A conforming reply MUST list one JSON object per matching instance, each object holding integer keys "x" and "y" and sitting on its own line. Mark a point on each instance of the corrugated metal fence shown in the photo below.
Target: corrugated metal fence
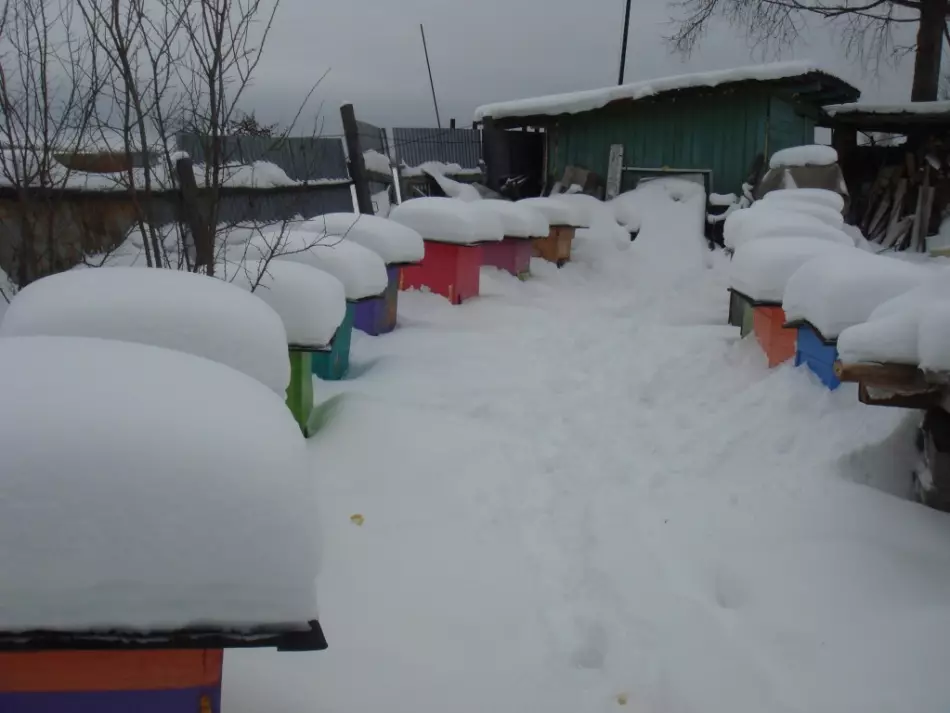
{"x": 301, "y": 158}
{"x": 414, "y": 147}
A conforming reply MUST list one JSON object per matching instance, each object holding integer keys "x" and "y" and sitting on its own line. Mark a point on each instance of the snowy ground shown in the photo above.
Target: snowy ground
{"x": 582, "y": 492}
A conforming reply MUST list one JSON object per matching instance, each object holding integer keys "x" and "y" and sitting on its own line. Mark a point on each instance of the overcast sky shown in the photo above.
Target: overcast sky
{"x": 492, "y": 50}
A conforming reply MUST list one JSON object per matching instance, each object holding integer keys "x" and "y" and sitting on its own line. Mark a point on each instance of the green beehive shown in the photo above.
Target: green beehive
{"x": 333, "y": 363}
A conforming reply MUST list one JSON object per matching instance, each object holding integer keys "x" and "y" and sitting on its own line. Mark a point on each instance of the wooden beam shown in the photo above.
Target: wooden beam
{"x": 922, "y": 400}
{"x": 897, "y": 376}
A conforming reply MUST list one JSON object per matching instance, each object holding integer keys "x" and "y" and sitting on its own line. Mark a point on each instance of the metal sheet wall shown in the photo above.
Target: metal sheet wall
{"x": 722, "y": 132}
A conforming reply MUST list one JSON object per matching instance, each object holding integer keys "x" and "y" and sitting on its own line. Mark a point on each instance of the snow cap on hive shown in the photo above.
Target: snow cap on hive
{"x": 518, "y": 221}
{"x": 760, "y": 269}
{"x": 448, "y": 220}
{"x": 311, "y": 303}
{"x": 820, "y": 196}
{"x": 393, "y": 242}
{"x": 798, "y": 156}
{"x": 766, "y": 221}
{"x": 362, "y": 272}
{"x": 839, "y": 289}
{"x": 557, "y": 212}
{"x": 146, "y": 489}
{"x": 174, "y": 309}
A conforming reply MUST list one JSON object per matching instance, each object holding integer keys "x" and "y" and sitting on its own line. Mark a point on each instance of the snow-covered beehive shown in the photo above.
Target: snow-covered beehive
{"x": 397, "y": 245}
{"x": 832, "y": 292}
{"x": 521, "y": 224}
{"x": 166, "y": 308}
{"x": 454, "y": 233}
{"x": 175, "y": 492}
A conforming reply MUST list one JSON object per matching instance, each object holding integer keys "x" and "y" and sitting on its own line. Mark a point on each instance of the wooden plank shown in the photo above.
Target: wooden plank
{"x": 358, "y": 173}
{"x": 901, "y": 376}
{"x": 889, "y": 235}
{"x": 614, "y": 171}
{"x": 922, "y": 400}
{"x": 199, "y": 230}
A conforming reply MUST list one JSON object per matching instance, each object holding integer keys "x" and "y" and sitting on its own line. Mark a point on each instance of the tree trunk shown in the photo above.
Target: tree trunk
{"x": 933, "y": 16}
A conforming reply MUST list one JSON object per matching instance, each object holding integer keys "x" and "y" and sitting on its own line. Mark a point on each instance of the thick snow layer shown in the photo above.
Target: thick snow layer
{"x": 362, "y": 272}
{"x": 576, "y": 102}
{"x": 890, "y": 339}
{"x": 630, "y": 207}
{"x": 451, "y": 187}
{"x": 934, "y": 107}
{"x": 891, "y": 333}
{"x": 148, "y": 489}
{"x": 446, "y": 169}
{"x": 813, "y": 155}
{"x": 448, "y": 220}
{"x": 761, "y": 268}
{"x": 600, "y": 219}
{"x": 518, "y": 221}
{"x": 933, "y": 337}
{"x": 762, "y": 221}
{"x": 638, "y": 510}
{"x": 311, "y": 302}
{"x": 377, "y": 162}
{"x": 820, "y": 196}
{"x": 557, "y": 212}
{"x": 723, "y": 199}
{"x": 173, "y": 309}
{"x": 841, "y": 289}
{"x": 393, "y": 242}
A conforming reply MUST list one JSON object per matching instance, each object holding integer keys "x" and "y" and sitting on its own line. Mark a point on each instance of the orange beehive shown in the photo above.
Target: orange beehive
{"x": 556, "y": 247}
{"x": 777, "y": 343}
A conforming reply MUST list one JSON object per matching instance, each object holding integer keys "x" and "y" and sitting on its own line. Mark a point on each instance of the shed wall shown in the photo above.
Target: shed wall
{"x": 723, "y": 132}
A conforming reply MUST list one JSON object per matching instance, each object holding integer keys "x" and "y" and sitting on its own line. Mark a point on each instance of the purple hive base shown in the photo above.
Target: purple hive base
{"x": 185, "y": 700}
{"x": 512, "y": 255}
{"x": 378, "y": 315}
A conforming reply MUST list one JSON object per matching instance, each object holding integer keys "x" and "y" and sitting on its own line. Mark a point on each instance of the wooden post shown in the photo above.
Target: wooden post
{"x": 357, "y": 167}
{"x": 491, "y": 152}
{"x": 201, "y": 236}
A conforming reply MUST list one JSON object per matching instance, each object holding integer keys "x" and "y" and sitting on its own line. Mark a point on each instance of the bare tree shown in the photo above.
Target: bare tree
{"x": 48, "y": 86}
{"x": 867, "y": 27}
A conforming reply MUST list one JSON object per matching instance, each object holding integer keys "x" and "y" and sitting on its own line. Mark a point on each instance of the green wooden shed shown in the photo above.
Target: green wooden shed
{"x": 715, "y": 122}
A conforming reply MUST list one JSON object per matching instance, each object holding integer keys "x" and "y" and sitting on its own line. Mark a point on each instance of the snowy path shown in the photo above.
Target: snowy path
{"x": 583, "y": 487}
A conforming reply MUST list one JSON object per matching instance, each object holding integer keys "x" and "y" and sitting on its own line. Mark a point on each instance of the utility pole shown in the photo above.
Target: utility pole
{"x": 438, "y": 122}
{"x": 623, "y": 46}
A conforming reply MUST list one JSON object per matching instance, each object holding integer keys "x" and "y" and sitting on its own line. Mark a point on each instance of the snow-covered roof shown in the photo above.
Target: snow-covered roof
{"x": 448, "y": 220}
{"x": 362, "y": 272}
{"x": 577, "y": 102}
{"x": 310, "y": 302}
{"x": 918, "y": 108}
{"x": 393, "y": 242}
{"x": 173, "y": 309}
{"x": 145, "y": 489}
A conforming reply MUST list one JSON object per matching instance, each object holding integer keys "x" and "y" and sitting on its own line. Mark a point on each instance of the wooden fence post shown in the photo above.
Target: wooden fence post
{"x": 357, "y": 167}
{"x": 201, "y": 237}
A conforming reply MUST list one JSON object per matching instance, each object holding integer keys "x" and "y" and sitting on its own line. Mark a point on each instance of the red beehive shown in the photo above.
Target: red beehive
{"x": 777, "y": 343}
{"x": 447, "y": 269}
{"x": 512, "y": 255}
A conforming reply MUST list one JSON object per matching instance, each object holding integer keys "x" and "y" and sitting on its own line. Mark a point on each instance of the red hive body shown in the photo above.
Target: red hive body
{"x": 512, "y": 255}
{"x": 447, "y": 269}
{"x": 777, "y": 343}
{"x": 152, "y": 681}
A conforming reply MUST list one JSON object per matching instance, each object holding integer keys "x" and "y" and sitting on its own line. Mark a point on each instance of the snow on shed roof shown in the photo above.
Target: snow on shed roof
{"x": 183, "y": 480}
{"x": 929, "y": 108}
{"x": 577, "y": 102}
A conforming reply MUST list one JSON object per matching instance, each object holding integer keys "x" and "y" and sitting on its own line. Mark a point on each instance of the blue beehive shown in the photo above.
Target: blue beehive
{"x": 818, "y": 354}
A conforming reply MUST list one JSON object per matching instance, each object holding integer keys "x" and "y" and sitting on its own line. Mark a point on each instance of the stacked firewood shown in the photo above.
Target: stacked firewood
{"x": 905, "y": 201}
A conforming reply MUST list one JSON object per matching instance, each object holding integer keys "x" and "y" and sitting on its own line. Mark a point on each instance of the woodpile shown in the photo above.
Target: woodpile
{"x": 905, "y": 201}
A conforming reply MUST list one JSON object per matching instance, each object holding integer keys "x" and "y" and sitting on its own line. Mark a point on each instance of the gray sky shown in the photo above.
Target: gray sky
{"x": 492, "y": 50}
